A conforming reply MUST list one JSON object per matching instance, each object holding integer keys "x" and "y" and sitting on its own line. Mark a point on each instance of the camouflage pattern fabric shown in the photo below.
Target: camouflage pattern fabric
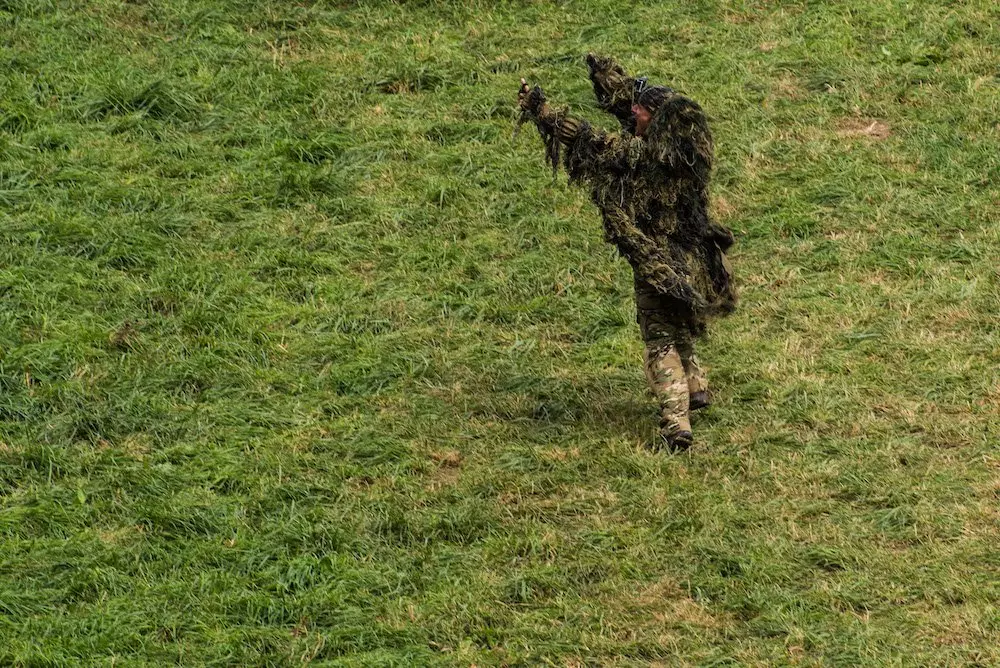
{"x": 665, "y": 373}
{"x": 658, "y": 321}
{"x": 672, "y": 369}
{"x": 652, "y": 191}
{"x": 697, "y": 380}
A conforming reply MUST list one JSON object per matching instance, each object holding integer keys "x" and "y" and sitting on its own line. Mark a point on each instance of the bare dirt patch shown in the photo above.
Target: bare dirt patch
{"x": 851, "y": 128}
{"x": 448, "y": 471}
{"x": 670, "y": 604}
{"x": 788, "y": 87}
{"x": 448, "y": 459}
{"x": 722, "y": 208}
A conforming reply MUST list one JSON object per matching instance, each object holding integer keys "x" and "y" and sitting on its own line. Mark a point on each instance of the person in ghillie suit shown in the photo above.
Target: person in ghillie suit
{"x": 650, "y": 183}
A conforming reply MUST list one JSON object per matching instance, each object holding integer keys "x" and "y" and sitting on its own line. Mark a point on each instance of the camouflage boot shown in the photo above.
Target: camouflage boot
{"x": 669, "y": 385}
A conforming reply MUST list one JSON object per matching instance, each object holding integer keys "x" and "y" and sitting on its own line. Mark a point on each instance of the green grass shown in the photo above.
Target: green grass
{"x": 304, "y": 358}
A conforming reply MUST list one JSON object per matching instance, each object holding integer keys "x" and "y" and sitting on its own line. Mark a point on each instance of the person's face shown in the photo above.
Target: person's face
{"x": 642, "y": 118}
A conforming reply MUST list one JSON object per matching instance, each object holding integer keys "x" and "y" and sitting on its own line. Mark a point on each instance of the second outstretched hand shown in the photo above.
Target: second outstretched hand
{"x": 531, "y": 100}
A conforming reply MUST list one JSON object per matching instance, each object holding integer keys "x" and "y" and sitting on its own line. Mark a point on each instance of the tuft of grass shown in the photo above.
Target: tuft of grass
{"x": 157, "y": 100}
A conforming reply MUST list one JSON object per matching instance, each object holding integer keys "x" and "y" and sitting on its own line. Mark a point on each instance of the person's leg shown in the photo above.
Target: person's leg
{"x": 667, "y": 381}
{"x": 661, "y": 332}
{"x": 697, "y": 378}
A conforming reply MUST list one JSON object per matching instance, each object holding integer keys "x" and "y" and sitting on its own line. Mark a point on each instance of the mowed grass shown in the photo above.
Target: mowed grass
{"x": 304, "y": 358}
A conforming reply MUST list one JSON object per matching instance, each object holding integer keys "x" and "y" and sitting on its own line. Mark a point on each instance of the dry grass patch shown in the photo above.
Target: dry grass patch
{"x": 722, "y": 208}
{"x": 872, "y": 128}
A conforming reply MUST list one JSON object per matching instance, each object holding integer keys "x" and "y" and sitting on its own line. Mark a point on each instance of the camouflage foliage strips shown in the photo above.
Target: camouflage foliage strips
{"x": 303, "y": 360}
{"x": 652, "y": 192}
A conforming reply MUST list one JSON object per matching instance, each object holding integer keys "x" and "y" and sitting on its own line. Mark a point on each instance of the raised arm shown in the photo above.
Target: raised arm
{"x": 589, "y": 152}
{"x": 602, "y": 158}
{"x": 613, "y": 87}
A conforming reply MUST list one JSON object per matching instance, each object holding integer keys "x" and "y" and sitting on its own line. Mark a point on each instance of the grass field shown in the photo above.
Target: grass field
{"x": 304, "y": 358}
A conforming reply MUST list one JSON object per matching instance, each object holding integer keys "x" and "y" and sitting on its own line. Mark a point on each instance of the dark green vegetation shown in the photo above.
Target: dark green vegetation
{"x": 303, "y": 358}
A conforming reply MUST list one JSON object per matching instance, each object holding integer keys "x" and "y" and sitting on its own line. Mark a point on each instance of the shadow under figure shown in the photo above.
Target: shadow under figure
{"x": 650, "y": 183}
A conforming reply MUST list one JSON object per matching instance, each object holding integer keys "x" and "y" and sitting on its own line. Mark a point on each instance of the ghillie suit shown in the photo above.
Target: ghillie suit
{"x": 652, "y": 192}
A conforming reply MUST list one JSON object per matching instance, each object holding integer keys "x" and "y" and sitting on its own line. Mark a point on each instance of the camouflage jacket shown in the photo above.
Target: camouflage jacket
{"x": 652, "y": 192}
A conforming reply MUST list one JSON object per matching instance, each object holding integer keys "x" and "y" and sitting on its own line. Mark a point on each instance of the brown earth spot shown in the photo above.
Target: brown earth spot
{"x": 448, "y": 471}
{"x": 667, "y": 602}
{"x": 738, "y": 18}
{"x": 863, "y": 127}
{"x": 787, "y": 86}
{"x": 449, "y": 459}
{"x": 722, "y": 208}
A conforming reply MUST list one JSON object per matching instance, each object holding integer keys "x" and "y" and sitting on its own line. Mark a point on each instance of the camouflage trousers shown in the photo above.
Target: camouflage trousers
{"x": 671, "y": 367}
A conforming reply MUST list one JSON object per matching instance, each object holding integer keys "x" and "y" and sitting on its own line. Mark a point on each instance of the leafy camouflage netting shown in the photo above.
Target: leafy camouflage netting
{"x": 652, "y": 191}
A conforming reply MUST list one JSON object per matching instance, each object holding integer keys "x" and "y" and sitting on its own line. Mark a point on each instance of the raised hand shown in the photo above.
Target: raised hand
{"x": 530, "y": 100}
{"x": 606, "y": 75}
{"x": 613, "y": 88}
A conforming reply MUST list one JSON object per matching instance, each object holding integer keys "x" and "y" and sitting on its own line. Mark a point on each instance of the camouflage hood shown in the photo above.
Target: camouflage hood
{"x": 678, "y": 135}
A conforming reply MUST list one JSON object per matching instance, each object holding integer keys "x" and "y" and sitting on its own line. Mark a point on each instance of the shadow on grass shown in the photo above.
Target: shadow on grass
{"x": 602, "y": 404}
